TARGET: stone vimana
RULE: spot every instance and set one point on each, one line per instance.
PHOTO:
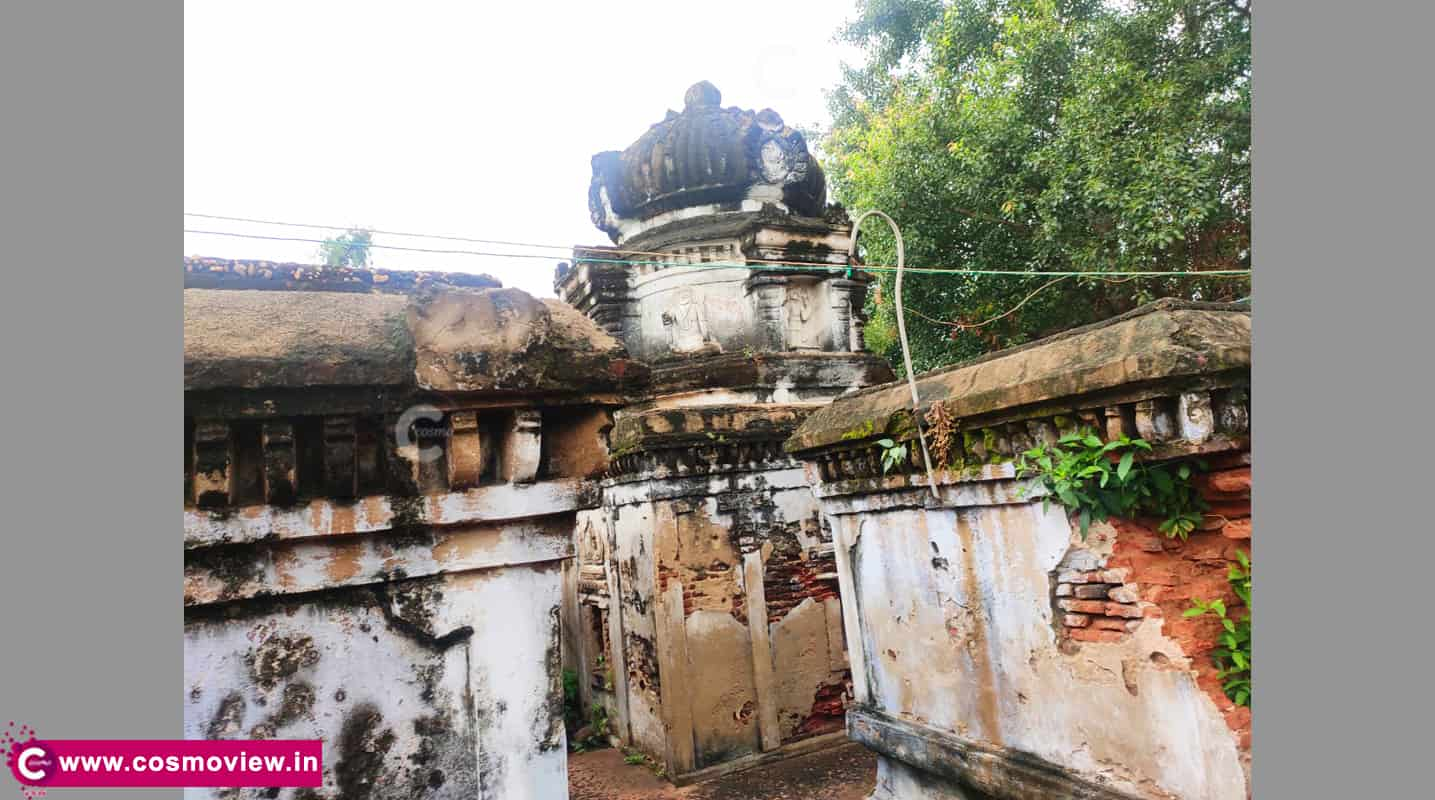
(456, 531)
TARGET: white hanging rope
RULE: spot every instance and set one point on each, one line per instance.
(902, 334)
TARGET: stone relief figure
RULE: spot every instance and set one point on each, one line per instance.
(686, 324)
(802, 334)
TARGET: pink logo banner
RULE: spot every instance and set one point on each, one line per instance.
(158, 763)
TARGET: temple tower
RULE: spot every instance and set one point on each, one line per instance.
(705, 589)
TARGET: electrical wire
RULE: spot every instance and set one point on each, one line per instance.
(796, 266)
(901, 332)
(997, 318)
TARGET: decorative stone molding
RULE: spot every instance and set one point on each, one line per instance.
(978, 445)
(1155, 352)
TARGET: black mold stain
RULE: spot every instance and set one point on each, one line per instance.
(280, 657)
(549, 731)
(362, 746)
(228, 719)
(298, 700)
(235, 567)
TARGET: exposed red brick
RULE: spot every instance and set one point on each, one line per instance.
(1230, 509)
(1075, 620)
(1109, 624)
(828, 714)
(1124, 594)
(1231, 481)
(1237, 529)
(1083, 606)
(1204, 548)
(1096, 636)
(1122, 610)
(791, 578)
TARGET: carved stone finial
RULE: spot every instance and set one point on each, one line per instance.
(702, 94)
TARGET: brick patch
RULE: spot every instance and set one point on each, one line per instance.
(1168, 578)
(1099, 607)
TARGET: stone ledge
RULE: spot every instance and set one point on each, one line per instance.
(1168, 345)
(227, 273)
(225, 574)
(327, 518)
(800, 747)
(812, 371)
(998, 772)
(464, 340)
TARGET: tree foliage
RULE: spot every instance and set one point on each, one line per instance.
(1082, 135)
(348, 249)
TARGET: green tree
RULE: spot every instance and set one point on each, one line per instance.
(1044, 135)
(348, 249)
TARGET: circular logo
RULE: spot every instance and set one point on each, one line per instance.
(34, 763)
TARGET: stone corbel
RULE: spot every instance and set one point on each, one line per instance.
(1154, 421)
(465, 450)
(1043, 432)
(1232, 411)
(340, 457)
(213, 463)
(1195, 417)
(1119, 422)
(522, 447)
(281, 480)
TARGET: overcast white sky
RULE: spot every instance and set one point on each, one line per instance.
(461, 118)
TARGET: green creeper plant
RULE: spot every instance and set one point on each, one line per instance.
(1098, 480)
(572, 705)
(892, 454)
(1233, 655)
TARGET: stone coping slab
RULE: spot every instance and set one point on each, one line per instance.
(1165, 341)
(444, 340)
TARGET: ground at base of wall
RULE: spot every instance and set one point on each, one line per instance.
(848, 772)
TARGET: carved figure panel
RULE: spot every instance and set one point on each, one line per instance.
(685, 323)
(805, 320)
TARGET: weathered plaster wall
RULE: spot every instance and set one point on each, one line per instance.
(976, 598)
(747, 651)
(409, 700)
(426, 659)
(516, 682)
(388, 701)
(634, 653)
(995, 652)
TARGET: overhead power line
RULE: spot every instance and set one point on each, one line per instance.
(447, 237)
(764, 264)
